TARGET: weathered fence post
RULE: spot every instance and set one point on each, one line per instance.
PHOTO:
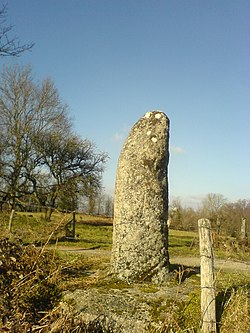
(11, 219)
(208, 311)
(243, 232)
(74, 224)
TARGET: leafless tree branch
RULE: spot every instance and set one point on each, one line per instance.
(10, 46)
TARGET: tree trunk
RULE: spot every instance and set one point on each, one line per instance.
(48, 213)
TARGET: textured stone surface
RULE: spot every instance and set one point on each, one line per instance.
(140, 237)
(138, 308)
(122, 312)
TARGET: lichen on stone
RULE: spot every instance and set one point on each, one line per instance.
(141, 202)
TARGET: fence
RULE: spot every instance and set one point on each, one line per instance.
(208, 311)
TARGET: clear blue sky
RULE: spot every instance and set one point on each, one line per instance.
(114, 60)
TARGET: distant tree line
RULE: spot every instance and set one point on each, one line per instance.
(226, 217)
(98, 204)
(42, 160)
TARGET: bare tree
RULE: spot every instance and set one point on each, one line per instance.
(109, 206)
(181, 217)
(213, 207)
(235, 213)
(41, 159)
(26, 111)
(10, 46)
(73, 166)
(175, 215)
(102, 203)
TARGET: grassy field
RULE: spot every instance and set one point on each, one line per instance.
(78, 271)
(96, 232)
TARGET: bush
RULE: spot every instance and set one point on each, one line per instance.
(235, 310)
(28, 284)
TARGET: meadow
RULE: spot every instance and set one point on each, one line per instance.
(93, 231)
(78, 261)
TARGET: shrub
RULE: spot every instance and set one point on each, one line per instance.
(28, 284)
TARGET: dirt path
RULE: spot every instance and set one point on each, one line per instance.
(220, 264)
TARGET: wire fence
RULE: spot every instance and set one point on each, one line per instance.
(34, 223)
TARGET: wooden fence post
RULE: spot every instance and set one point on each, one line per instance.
(243, 232)
(11, 219)
(74, 225)
(208, 311)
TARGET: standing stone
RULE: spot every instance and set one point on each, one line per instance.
(140, 236)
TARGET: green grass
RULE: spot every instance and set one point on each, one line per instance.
(183, 243)
(92, 236)
(91, 231)
(186, 243)
(78, 271)
(96, 232)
